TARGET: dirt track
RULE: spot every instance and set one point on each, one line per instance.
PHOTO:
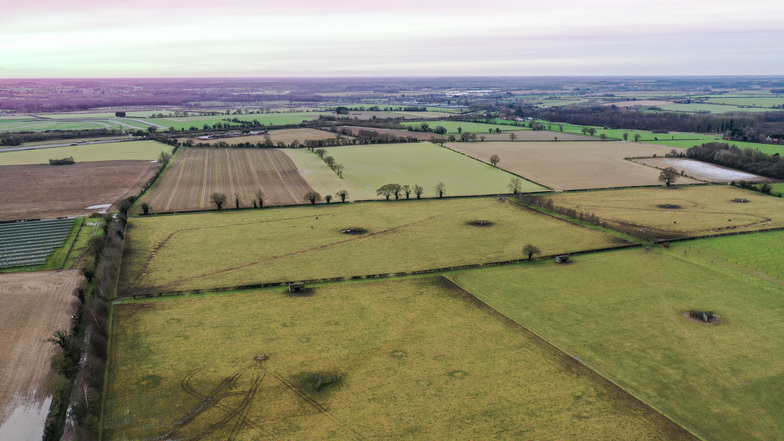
(34, 305)
(198, 172)
(46, 191)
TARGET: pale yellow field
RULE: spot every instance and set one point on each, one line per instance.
(572, 165)
(703, 210)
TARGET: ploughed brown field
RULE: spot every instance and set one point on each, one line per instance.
(537, 135)
(34, 306)
(422, 136)
(197, 173)
(48, 191)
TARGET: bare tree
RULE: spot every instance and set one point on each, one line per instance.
(330, 161)
(407, 190)
(164, 157)
(342, 194)
(440, 189)
(261, 197)
(321, 153)
(515, 185)
(218, 199)
(494, 160)
(530, 250)
(146, 208)
(328, 198)
(512, 136)
(418, 190)
(668, 175)
(313, 197)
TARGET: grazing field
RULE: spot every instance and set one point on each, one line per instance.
(621, 312)
(409, 359)
(196, 173)
(571, 165)
(284, 135)
(131, 150)
(46, 191)
(777, 188)
(208, 250)
(34, 306)
(668, 213)
(67, 122)
(702, 170)
(32, 243)
(759, 255)
(424, 164)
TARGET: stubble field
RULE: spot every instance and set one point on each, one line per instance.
(196, 173)
(412, 359)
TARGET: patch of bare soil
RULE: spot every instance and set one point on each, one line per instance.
(42, 191)
(715, 320)
(34, 305)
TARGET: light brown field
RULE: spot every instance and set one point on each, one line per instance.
(693, 211)
(702, 170)
(196, 173)
(572, 165)
(422, 136)
(34, 306)
(283, 135)
(46, 191)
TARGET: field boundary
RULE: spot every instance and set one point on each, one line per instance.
(501, 168)
(367, 276)
(583, 363)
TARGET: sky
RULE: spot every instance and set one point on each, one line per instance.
(309, 38)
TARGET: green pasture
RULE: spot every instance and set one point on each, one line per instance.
(112, 151)
(777, 188)
(621, 313)
(756, 101)
(77, 122)
(369, 167)
(759, 255)
(711, 108)
(324, 180)
(468, 127)
(232, 248)
(268, 119)
(412, 359)
(770, 149)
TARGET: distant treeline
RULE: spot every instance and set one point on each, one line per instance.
(751, 127)
(749, 160)
(18, 138)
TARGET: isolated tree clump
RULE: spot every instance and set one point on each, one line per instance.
(164, 158)
(531, 250)
(668, 176)
(146, 208)
(342, 194)
(494, 160)
(312, 197)
(219, 199)
(440, 189)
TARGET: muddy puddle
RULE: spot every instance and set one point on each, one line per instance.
(23, 419)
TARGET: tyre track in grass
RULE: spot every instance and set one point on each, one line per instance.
(290, 254)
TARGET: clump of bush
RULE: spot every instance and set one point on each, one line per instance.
(64, 161)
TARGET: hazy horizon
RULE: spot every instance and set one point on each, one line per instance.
(303, 38)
